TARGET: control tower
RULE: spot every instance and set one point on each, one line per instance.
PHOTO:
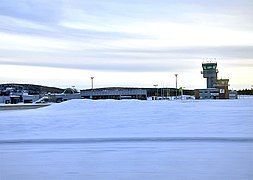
(210, 73)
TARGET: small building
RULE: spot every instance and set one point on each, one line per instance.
(30, 98)
(67, 94)
(233, 94)
(14, 99)
(114, 93)
(222, 86)
(209, 93)
(12, 96)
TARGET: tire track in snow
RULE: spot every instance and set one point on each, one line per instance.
(130, 140)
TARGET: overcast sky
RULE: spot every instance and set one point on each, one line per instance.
(136, 43)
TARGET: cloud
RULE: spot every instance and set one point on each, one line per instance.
(38, 11)
(126, 36)
(134, 60)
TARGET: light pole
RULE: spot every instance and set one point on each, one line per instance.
(156, 89)
(176, 84)
(92, 82)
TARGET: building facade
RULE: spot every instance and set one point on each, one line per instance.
(114, 93)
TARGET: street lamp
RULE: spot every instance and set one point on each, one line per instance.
(91, 82)
(156, 89)
(176, 84)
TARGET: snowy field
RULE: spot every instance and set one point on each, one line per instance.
(107, 140)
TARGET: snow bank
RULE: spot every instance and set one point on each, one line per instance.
(112, 118)
(126, 140)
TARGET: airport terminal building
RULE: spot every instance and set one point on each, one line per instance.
(114, 93)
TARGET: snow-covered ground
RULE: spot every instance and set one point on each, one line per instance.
(130, 139)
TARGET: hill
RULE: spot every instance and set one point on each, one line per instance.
(31, 88)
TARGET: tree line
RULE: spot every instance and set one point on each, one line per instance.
(245, 92)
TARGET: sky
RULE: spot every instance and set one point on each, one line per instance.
(133, 43)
